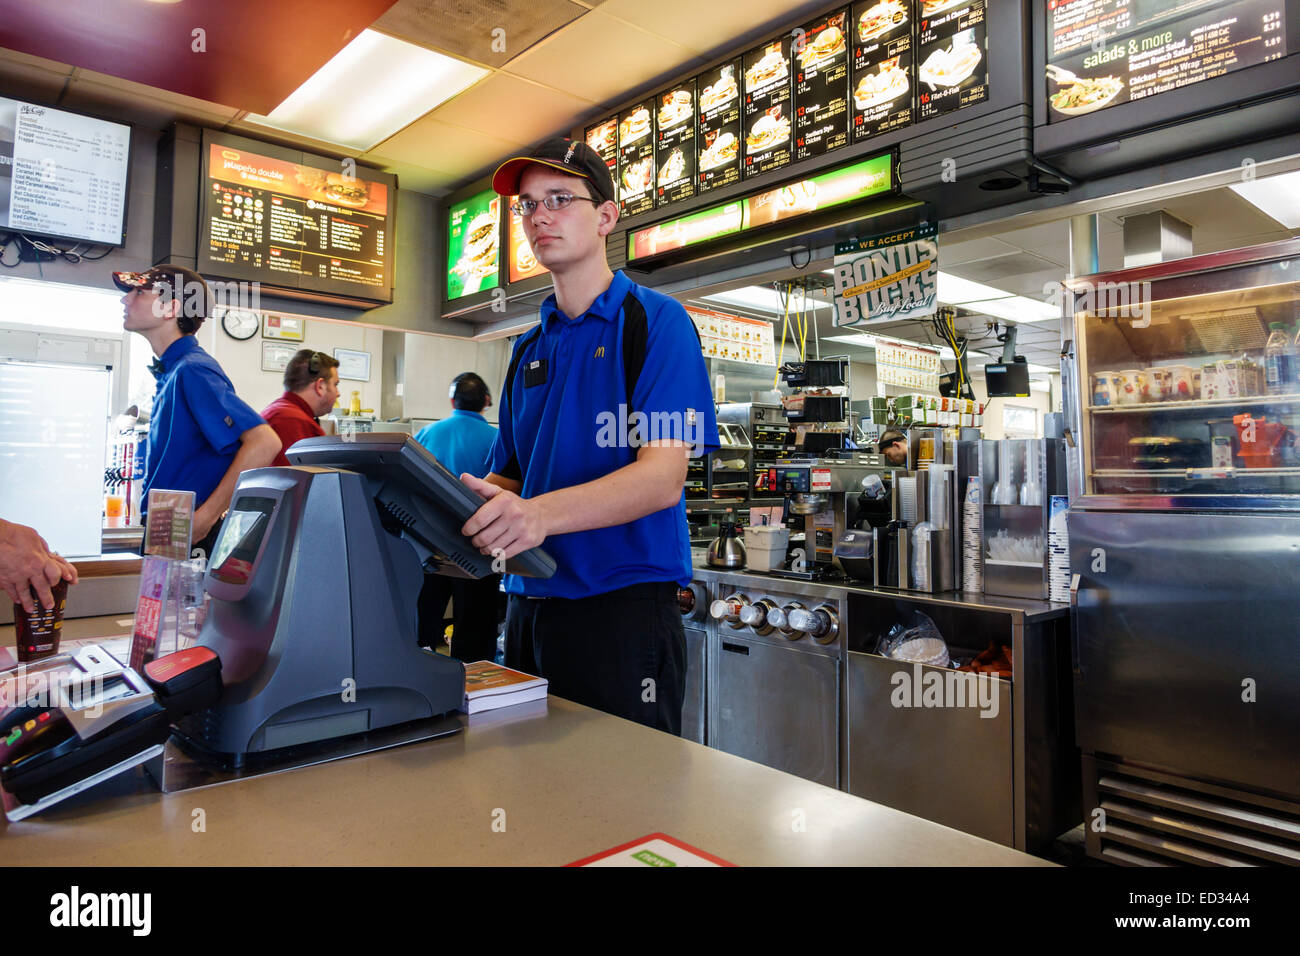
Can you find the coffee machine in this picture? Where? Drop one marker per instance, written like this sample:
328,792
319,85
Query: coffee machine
834,496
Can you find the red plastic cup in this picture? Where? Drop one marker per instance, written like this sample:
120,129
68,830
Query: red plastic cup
37,634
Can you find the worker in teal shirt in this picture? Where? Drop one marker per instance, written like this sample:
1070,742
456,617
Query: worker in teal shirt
462,443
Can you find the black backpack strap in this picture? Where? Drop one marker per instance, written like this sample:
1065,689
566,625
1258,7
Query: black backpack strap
512,469
636,335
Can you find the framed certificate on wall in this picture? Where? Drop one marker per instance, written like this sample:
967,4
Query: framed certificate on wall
353,365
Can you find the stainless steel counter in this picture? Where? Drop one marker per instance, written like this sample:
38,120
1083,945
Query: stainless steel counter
561,781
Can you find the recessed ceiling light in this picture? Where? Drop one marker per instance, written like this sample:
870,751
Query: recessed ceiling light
1277,197
373,87
1016,308
954,290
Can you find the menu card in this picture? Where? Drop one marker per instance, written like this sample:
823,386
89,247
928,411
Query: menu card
884,71
952,52
675,144
1142,53
767,120
636,159
718,138
603,138
821,92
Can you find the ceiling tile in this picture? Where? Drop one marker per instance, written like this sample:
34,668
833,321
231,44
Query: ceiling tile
710,28
443,148
518,110
952,253
602,59
467,30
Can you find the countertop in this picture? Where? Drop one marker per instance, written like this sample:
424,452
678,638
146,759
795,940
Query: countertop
566,781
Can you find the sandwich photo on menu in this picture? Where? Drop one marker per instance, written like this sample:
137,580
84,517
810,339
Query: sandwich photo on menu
828,43
770,130
953,65
721,91
882,87
601,139
771,66
634,126
480,257
930,7
334,187
720,152
673,169
636,176
676,108
880,19
525,261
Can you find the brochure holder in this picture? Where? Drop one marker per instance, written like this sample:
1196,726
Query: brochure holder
172,604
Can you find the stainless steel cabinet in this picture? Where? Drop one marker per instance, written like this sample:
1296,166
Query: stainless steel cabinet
693,707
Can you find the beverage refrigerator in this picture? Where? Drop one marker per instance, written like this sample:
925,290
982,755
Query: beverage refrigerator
1184,535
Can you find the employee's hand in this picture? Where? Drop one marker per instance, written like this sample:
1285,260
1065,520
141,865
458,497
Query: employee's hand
504,521
28,565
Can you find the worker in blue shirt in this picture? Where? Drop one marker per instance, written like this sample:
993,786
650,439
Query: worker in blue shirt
605,402
462,443
201,434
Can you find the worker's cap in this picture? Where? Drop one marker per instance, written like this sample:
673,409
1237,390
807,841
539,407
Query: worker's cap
172,281
563,155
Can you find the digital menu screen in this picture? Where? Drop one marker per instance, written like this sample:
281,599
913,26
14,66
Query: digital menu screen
717,138
294,225
675,144
821,87
473,240
603,138
62,174
521,263
952,56
766,120
883,67
1105,53
636,160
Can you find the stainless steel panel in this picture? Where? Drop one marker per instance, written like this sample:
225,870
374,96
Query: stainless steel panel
1188,608
779,707
694,707
947,764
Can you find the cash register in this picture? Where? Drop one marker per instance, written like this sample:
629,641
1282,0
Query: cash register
311,632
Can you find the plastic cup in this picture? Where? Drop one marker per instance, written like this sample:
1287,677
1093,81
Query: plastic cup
37,634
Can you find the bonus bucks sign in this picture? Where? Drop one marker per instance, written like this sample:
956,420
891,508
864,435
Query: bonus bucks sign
887,277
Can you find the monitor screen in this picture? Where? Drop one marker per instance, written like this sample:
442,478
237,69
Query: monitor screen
418,498
1007,380
473,240
62,174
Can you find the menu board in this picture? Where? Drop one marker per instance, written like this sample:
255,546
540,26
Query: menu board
603,138
766,120
473,239
952,56
636,159
675,144
718,136
62,174
821,87
521,263
1120,51
734,338
294,225
883,66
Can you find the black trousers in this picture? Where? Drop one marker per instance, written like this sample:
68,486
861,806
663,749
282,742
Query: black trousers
475,612
623,652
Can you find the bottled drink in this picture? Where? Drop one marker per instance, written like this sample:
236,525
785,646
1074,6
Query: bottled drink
1277,360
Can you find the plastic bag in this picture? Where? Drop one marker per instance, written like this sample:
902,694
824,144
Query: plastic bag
919,641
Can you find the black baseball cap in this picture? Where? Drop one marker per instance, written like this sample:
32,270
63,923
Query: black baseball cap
178,280
563,155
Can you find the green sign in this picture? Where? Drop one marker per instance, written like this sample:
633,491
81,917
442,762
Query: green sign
473,245
652,859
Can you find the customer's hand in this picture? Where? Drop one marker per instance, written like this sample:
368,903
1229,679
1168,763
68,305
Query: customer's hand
505,521
28,565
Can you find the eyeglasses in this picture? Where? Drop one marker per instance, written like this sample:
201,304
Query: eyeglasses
554,202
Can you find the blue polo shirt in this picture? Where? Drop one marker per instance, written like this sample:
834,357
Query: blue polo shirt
195,425
568,426
462,442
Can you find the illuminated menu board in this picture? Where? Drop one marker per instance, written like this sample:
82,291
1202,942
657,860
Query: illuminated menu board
821,87
473,240
293,225
952,57
883,66
675,144
1105,52
636,160
521,264
718,135
603,138
766,120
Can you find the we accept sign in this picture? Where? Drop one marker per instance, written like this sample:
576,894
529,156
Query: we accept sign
887,277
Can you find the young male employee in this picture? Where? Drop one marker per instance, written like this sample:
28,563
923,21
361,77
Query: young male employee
311,387
462,442
893,446
201,434
605,630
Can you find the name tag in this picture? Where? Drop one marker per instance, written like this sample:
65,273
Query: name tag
535,373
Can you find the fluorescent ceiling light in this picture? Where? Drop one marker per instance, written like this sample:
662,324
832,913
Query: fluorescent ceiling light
863,340
1277,197
1039,385
954,290
763,299
1016,308
373,87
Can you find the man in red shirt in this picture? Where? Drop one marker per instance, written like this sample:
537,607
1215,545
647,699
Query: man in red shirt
311,387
